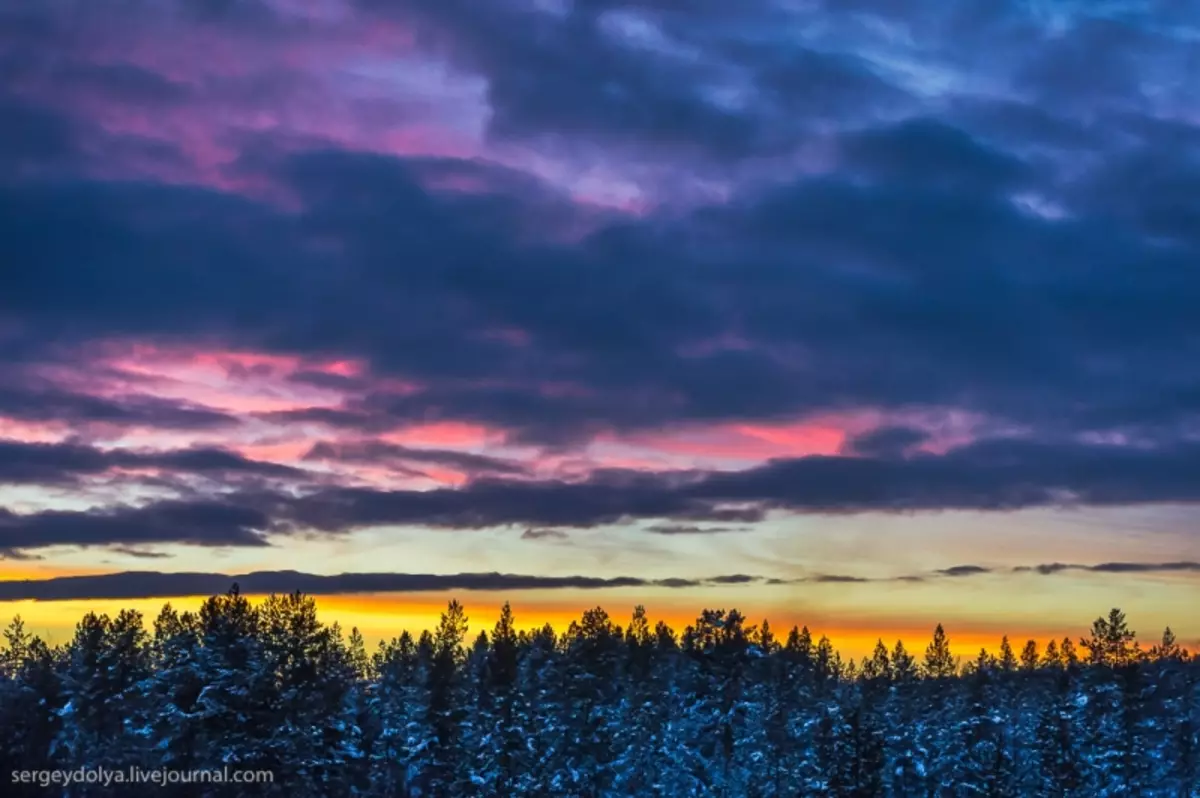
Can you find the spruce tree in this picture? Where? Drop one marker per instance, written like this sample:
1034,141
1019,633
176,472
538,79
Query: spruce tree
30,700
904,666
442,775
1006,661
1111,642
1029,656
878,668
1052,658
501,747
939,662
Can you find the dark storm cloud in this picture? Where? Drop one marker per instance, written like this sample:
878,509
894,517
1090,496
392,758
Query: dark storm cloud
1047,569
141,554
1012,338
734,579
999,475
987,475
990,475
543,534
930,153
837,579
886,441
724,515
151,584
206,460
691,529
756,78
822,85
1029,260
964,570
19,556
56,463
1130,567
56,405
589,71
191,522
380,452
490,502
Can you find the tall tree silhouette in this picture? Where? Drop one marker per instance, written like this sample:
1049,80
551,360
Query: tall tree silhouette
939,662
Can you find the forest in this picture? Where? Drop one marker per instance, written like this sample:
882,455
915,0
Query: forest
722,708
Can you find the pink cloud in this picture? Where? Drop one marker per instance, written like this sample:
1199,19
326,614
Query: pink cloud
745,442
446,434
32,432
287,452
240,382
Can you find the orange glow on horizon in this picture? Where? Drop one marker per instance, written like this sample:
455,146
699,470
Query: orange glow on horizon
17,570
385,616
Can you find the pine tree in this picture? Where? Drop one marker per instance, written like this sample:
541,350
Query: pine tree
173,727
866,731
879,666
799,649
356,648
1052,658
779,688
445,715
939,663
1056,771
1111,642
1168,648
902,754
826,666
904,666
17,644
1029,656
1066,651
397,703
312,732
504,728
106,663
1006,661
542,685
983,663
235,711
1102,731
987,766
30,700
642,716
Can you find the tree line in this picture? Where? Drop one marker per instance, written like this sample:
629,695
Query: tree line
723,708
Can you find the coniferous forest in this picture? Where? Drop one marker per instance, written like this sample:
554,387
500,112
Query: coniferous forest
723,708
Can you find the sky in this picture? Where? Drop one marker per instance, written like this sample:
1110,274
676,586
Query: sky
865,316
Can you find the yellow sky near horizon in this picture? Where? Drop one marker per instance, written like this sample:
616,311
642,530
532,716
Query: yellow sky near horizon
976,610
852,629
